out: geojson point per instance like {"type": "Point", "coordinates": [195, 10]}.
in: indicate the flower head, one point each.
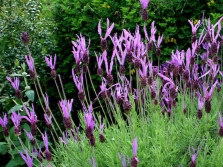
{"type": "Point", "coordinates": [134, 147]}
{"type": "Point", "coordinates": [47, 153]}
{"type": "Point", "coordinates": [135, 160]}
{"type": "Point", "coordinates": [194, 27]}
{"type": "Point", "coordinates": [144, 3]}
{"type": "Point", "coordinates": [15, 83]}
{"type": "Point", "coordinates": [50, 62]}
{"type": "Point", "coordinates": [16, 119]}
{"type": "Point", "coordinates": [27, 158]}
{"type": "Point", "coordinates": [31, 137]}
{"type": "Point", "coordinates": [66, 106]}
{"type": "Point", "coordinates": [31, 116]}
{"type": "Point", "coordinates": [108, 30]}
{"type": "Point", "coordinates": [25, 38]}
{"type": "Point", "coordinates": [30, 63]}
{"type": "Point", "coordinates": [4, 121]}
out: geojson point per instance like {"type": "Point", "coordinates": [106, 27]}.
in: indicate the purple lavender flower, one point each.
{"type": "Point", "coordinates": [16, 119]}
{"type": "Point", "coordinates": [194, 157]}
{"type": "Point", "coordinates": [47, 153]}
{"type": "Point", "coordinates": [200, 105]}
{"type": "Point", "coordinates": [15, 85]}
{"type": "Point", "coordinates": [32, 118]}
{"type": "Point", "coordinates": [109, 76]}
{"type": "Point", "coordinates": [126, 105]}
{"type": "Point", "coordinates": [3, 123]}
{"type": "Point", "coordinates": [220, 132]}
{"type": "Point", "coordinates": [118, 94]}
{"type": "Point", "coordinates": [143, 72]}
{"type": "Point", "coordinates": [79, 82]}
{"type": "Point", "coordinates": [150, 39]}
{"type": "Point", "coordinates": [121, 58]}
{"type": "Point", "coordinates": [128, 45]}
{"type": "Point", "coordinates": [101, 136]}
{"type": "Point", "coordinates": [31, 137]}
{"type": "Point", "coordinates": [66, 106]}
{"type": "Point", "coordinates": [77, 56]}
{"type": "Point", "coordinates": [51, 64]}
{"type": "Point", "coordinates": [144, 4]}
{"type": "Point", "coordinates": [214, 43]}
{"type": "Point", "coordinates": [48, 120]}
{"type": "Point", "coordinates": [84, 49]}
{"type": "Point", "coordinates": [25, 38]}
{"type": "Point", "coordinates": [28, 160]}
{"type": "Point", "coordinates": [194, 29]}
{"type": "Point", "coordinates": [30, 63]}
{"type": "Point", "coordinates": [135, 160]}
{"type": "Point", "coordinates": [208, 95]}
{"type": "Point", "coordinates": [158, 50]}
{"type": "Point", "coordinates": [100, 59]}
{"type": "Point", "coordinates": [89, 121]}
{"type": "Point", "coordinates": [64, 138]}
{"type": "Point", "coordinates": [108, 31]}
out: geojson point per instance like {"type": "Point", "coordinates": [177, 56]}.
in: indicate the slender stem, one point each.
{"type": "Point", "coordinates": [95, 91]}
{"type": "Point", "coordinates": [88, 94]}
{"type": "Point", "coordinates": [58, 89]}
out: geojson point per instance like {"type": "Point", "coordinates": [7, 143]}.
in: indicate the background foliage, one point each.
{"type": "Point", "coordinates": [82, 16]}
{"type": "Point", "coordinates": [17, 16]}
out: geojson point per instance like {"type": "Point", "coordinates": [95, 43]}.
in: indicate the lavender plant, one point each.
{"type": "Point", "coordinates": [161, 111]}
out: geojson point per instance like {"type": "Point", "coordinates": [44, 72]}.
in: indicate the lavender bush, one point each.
{"type": "Point", "coordinates": [167, 114]}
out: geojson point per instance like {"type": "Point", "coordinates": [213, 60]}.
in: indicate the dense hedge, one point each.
{"type": "Point", "coordinates": [82, 16]}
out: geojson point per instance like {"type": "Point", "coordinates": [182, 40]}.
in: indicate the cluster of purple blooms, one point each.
{"type": "Point", "coordinates": [130, 50]}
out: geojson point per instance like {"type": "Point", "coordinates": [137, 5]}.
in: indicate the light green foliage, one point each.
{"type": "Point", "coordinates": [162, 140]}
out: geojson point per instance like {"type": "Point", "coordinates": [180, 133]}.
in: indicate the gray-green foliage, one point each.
{"type": "Point", "coordinates": [162, 140]}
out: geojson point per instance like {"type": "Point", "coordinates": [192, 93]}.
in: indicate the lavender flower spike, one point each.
{"type": "Point", "coordinates": [194, 27]}
{"type": "Point", "coordinates": [31, 137]}
{"type": "Point", "coordinates": [88, 118]}
{"type": "Point", "coordinates": [108, 32]}
{"type": "Point", "coordinates": [51, 64]}
{"type": "Point", "coordinates": [193, 158]}
{"type": "Point", "coordinates": [16, 119]}
{"type": "Point", "coordinates": [46, 152]}
{"type": "Point", "coordinates": [66, 106]}
{"type": "Point", "coordinates": [100, 59]}
{"type": "Point", "coordinates": [3, 123]}
{"type": "Point", "coordinates": [32, 118]}
{"type": "Point", "coordinates": [135, 160]}
{"type": "Point", "coordinates": [30, 63]}
{"type": "Point", "coordinates": [27, 158]}
{"type": "Point", "coordinates": [79, 82]}
{"type": "Point", "coordinates": [134, 147]}
{"type": "Point", "coordinates": [144, 3]}
{"type": "Point", "coordinates": [15, 85]}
